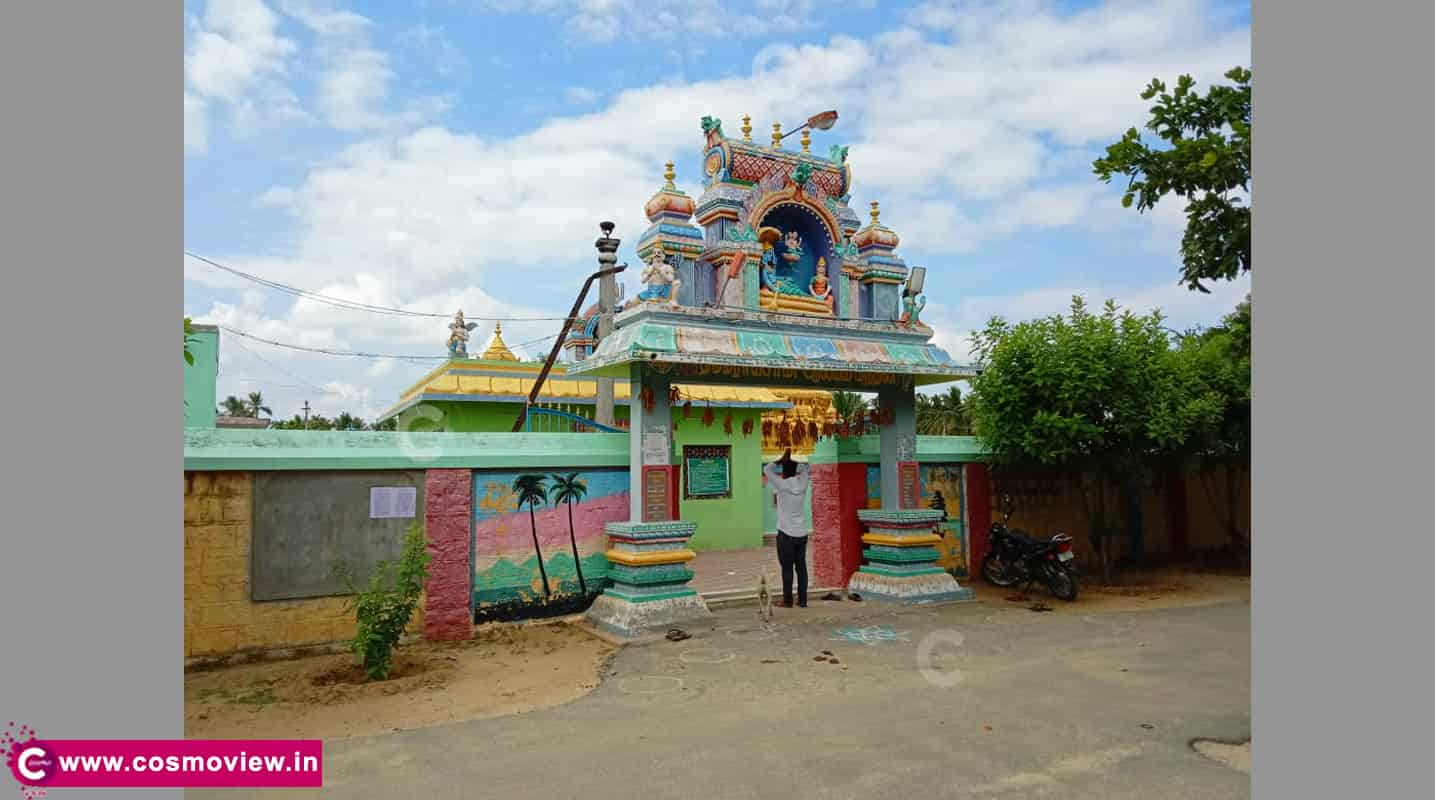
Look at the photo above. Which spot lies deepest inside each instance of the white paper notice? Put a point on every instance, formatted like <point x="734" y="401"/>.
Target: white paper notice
<point x="392" y="502"/>
<point x="655" y="449"/>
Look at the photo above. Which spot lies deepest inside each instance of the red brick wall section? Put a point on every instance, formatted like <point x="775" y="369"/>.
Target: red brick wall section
<point x="448" y="515"/>
<point x="838" y="490"/>
<point x="979" y="514"/>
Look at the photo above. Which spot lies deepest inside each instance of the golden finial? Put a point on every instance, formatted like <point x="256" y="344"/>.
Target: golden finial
<point x="777" y="135"/>
<point x="497" y="350"/>
<point x="875" y="213"/>
<point x="746" y="128"/>
<point x="806" y="139"/>
<point x="668" y="175"/>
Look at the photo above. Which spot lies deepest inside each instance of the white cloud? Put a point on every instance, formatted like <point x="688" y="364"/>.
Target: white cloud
<point x="236" y="45"/>
<point x="601" y="21"/>
<point x="354" y="80"/>
<point x="581" y="95"/>
<point x="196" y="124"/>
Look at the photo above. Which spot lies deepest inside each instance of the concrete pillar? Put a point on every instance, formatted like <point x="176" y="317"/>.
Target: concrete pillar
<point x="448" y="521"/>
<point x="607" y="301"/>
<point x="651" y="441"/>
<point x="898" y="440"/>
<point x="647" y="557"/>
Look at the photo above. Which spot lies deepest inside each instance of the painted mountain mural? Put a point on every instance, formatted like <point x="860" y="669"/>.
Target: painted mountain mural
<point x="538" y="539"/>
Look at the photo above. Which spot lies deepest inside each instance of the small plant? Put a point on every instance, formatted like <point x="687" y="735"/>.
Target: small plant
<point x="384" y="609"/>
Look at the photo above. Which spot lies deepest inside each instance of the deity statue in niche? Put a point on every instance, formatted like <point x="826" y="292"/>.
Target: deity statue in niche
<point x="773" y="266"/>
<point x="662" y="280"/>
<point x="819" y="286"/>
<point x="458" y="336"/>
<point x="792" y="247"/>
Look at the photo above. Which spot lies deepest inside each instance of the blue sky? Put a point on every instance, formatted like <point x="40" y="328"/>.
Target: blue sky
<point x="459" y="153"/>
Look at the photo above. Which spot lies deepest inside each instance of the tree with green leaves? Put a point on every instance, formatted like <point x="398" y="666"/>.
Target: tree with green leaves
<point x="569" y="489"/>
<point x="1218" y="361"/>
<point x="188" y="340"/>
<point x="234" y="407"/>
<point x="848" y="405"/>
<point x="532" y="490"/>
<point x="1205" y="159"/>
<point x="1100" y="399"/>
<point x="943" y="414"/>
<point x="256" y="406"/>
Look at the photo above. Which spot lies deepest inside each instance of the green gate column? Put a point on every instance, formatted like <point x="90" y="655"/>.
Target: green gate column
<point x="898" y="439"/>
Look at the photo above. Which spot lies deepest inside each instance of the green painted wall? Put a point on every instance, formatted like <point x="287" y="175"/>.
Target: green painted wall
<point x="219" y="449"/>
<point x="734" y="522"/>
<point x="867" y="450"/>
<point x="199" y="380"/>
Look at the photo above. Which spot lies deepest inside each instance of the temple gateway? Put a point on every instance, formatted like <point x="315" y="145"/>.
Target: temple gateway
<point x="769" y="279"/>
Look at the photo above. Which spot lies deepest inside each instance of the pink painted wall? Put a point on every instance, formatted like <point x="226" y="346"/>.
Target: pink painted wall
<point x="448" y="511"/>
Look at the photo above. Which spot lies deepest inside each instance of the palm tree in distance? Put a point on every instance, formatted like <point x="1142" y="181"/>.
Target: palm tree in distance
<point x="533" y="489"/>
<point x="234" y="407"/>
<point x="568" y="490"/>
<point x="256" y="405"/>
<point x="847" y="405"/>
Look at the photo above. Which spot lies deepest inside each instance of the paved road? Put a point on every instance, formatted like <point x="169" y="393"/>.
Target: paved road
<point x="1024" y="704"/>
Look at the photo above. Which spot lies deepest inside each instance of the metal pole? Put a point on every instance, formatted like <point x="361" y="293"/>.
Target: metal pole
<point x="607" y="299"/>
<point x="306" y="415"/>
<point x="558" y="344"/>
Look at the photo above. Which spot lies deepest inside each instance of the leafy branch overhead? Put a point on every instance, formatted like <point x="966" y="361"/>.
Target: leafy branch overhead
<point x="1204" y="156"/>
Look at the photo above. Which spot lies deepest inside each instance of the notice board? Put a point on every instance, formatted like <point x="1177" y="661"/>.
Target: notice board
<point x="306" y="522"/>
<point x="707" y="472"/>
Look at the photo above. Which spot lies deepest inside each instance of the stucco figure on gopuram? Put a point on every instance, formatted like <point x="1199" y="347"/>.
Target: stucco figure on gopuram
<point x="773" y="231"/>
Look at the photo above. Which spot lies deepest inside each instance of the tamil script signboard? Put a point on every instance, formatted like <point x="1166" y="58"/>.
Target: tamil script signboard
<point x="707" y="472"/>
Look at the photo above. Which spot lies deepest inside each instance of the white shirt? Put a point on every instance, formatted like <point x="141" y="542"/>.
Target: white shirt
<point x="791" y="496"/>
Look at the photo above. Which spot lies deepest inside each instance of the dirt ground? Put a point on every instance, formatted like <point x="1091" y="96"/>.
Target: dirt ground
<point x="510" y="669"/>
<point x="506" y="669"/>
<point x="1132" y="591"/>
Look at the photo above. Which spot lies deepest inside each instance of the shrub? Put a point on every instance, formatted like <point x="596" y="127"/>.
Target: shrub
<point x="384" y="609"/>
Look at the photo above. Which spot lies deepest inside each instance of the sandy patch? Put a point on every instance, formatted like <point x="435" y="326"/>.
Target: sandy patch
<point x="1235" y="756"/>
<point x="506" y="669"/>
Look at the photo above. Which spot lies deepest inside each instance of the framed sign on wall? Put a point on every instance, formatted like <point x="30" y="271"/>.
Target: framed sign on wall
<point x="707" y="472"/>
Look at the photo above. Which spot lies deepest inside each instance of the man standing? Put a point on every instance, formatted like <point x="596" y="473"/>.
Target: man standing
<point x="789" y="480"/>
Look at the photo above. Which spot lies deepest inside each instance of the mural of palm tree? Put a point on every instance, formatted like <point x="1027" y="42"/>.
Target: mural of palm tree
<point x="533" y="489"/>
<point x="256" y="405"/>
<point x="568" y="490"/>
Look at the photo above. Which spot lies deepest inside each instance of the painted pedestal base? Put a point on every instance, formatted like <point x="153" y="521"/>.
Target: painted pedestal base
<point x="650" y="591"/>
<point x="901" y="560"/>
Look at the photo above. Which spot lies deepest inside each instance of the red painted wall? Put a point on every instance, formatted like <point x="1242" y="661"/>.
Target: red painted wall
<point x="979" y="514"/>
<point x="448" y="593"/>
<point x="838" y="491"/>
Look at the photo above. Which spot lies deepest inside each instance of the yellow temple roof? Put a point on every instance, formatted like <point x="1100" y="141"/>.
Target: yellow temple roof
<point x="505" y="379"/>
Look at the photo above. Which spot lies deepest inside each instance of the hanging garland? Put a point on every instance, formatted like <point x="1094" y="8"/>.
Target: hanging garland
<point x="727" y="423"/>
<point x="708" y="417"/>
<point x="747" y="427"/>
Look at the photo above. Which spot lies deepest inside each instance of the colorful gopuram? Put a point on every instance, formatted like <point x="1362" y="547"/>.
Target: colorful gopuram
<point x="770" y="279"/>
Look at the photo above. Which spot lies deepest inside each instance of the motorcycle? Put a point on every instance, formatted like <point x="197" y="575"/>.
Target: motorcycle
<point x="1017" y="559"/>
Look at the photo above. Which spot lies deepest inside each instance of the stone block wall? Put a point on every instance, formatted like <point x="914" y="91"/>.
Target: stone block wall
<point x="219" y="616"/>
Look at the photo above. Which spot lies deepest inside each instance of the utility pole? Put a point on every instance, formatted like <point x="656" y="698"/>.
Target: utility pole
<point x="306" y="415"/>
<point x="607" y="300"/>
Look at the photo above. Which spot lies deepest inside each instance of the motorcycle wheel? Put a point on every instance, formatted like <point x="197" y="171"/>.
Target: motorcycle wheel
<point x="1062" y="584"/>
<point x="996" y="573"/>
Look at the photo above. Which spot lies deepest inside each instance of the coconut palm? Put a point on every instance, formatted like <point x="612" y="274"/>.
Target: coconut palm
<point x="569" y="489"/>
<point x="533" y="489"/>
<point x="256" y="405"/>
<point x="847" y="405"/>
<point x="234" y="407"/>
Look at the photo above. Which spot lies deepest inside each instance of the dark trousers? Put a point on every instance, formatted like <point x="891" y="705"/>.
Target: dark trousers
<point x="792" y="557"/>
